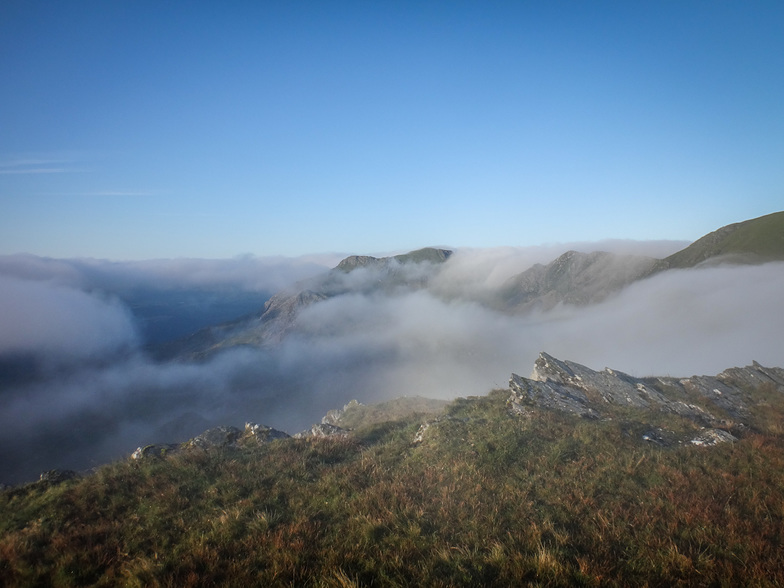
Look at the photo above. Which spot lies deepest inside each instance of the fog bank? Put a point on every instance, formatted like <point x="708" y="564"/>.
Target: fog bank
<point x="370" y="346"/>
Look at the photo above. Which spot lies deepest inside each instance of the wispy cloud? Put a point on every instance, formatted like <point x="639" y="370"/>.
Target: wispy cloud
<point x="37" y="165"/>
<point x="33" y="170"/>
<point x="107" y="193"/>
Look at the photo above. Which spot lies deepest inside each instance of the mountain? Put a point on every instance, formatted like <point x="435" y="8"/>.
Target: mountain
<point x="570" y="477"/>
<point x="586" y="278"/>
<point x="573" y="278"/>
<point x="354" y="274"/>
<point x="753" y="241"/>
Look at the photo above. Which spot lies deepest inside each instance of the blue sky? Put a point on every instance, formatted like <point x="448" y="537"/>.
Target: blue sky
<point x="133" y="130"/>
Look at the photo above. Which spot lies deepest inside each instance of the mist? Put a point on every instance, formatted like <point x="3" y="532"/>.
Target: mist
<point x="107" y="396"/>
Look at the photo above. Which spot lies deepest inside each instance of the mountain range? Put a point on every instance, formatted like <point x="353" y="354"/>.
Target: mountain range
<point x="574" y="278"/>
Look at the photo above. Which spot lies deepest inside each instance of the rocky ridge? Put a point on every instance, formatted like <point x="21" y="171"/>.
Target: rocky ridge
<point x="719" y="404"/>
<point x="719" y="408"/>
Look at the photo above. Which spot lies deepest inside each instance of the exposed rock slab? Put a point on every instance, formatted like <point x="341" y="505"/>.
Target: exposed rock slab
<point x="707" y="400"/>
<point x="323" y="430"/>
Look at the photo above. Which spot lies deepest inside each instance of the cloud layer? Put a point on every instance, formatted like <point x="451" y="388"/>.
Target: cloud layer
<point x="43" y="318"/>
<point x="371" y="346"/>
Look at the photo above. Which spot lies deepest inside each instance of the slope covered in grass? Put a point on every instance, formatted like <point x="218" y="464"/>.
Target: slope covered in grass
<point x="479" y="496"/>
<point x="752" y="241"/>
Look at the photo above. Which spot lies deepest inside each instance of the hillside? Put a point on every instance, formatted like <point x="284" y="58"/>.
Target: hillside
<point x="574" y="278"/>
<point x="586" y="278"/>
<point x="753" y="241"/>
<point x="510" y="488"/>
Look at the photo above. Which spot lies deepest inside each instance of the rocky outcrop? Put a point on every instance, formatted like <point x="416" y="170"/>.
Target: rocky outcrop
<point x="214" y="438"/>
<point x="263" y="433"/>
<point x="712" y="437"/>
<point x="710" y="402"/>
<point x="57" y="476"/>
<point x="323" y="430"/>
<point x="334" y="416"/>
<point x="159" y="450"/>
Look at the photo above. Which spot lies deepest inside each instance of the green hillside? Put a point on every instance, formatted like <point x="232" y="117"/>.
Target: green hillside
<point x="480" y="496"/>
<point x="753" y="241"/>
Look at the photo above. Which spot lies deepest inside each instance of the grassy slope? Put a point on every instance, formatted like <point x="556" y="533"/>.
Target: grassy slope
<point x="756" y="240"/>
<point x="486" y="498"/>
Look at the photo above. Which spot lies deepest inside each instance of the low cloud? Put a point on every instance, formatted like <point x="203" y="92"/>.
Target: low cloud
<point x="474" y="273"/>
<point x="248" y="272"/>
<point x="42" y="318"/>
<point x="370" y="346"/>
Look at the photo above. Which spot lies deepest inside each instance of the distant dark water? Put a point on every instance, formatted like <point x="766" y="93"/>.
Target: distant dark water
<point x="166" y="316"/>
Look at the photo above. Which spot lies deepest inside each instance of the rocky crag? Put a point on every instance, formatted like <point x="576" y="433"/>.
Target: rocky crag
<point x="719" y="405"/>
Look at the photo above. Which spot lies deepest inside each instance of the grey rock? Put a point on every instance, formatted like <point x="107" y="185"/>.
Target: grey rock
<point x="264" y="433"/>
<point x="333" y="416"/>
<point x="574" y="388"/>
<point x="57" y="476"/>
<point x="216" y="437"/>
<point x="712" y="437"/>
<point x="660" y="437"/>
<point x="323" y="430"/>
<point x="527" y="394"/>
<point x="158" y="450"/>
<point x="420" y="434"/>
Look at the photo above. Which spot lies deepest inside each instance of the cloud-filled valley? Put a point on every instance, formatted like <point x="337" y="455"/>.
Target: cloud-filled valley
<point x="97" y="394"/>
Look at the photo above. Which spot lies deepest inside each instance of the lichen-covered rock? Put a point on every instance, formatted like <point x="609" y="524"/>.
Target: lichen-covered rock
<point x="711" y="437"/>
<point x="264" y="433"/>
<point x="57" y="476"/>
<point x="574" y="388"/>
<point x="333" y="416"/>
<point x="528" y="394"/>
<point x="158" y="450"/>
<point x="323" y="430"/>
<point x="216" y="437"/>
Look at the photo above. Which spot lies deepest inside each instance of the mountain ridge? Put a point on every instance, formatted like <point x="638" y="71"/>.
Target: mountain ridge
<point x="573" y="278"/>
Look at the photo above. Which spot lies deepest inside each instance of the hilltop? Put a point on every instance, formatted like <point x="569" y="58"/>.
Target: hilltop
<point x="753" y="241"/>
<point x="570" y="477"/>
<point x="586" y="278"/>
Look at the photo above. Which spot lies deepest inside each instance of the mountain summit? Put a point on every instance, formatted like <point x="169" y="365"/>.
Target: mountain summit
<point x="354" y="274"/>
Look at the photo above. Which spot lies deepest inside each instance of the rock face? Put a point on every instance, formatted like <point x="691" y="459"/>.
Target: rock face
<point x="709" y="401"/>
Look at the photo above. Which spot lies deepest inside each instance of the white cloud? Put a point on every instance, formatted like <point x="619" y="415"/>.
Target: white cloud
<point x="61" y="321"/>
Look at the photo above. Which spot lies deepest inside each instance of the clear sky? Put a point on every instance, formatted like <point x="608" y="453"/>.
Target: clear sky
<point x="134" y="129"/>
